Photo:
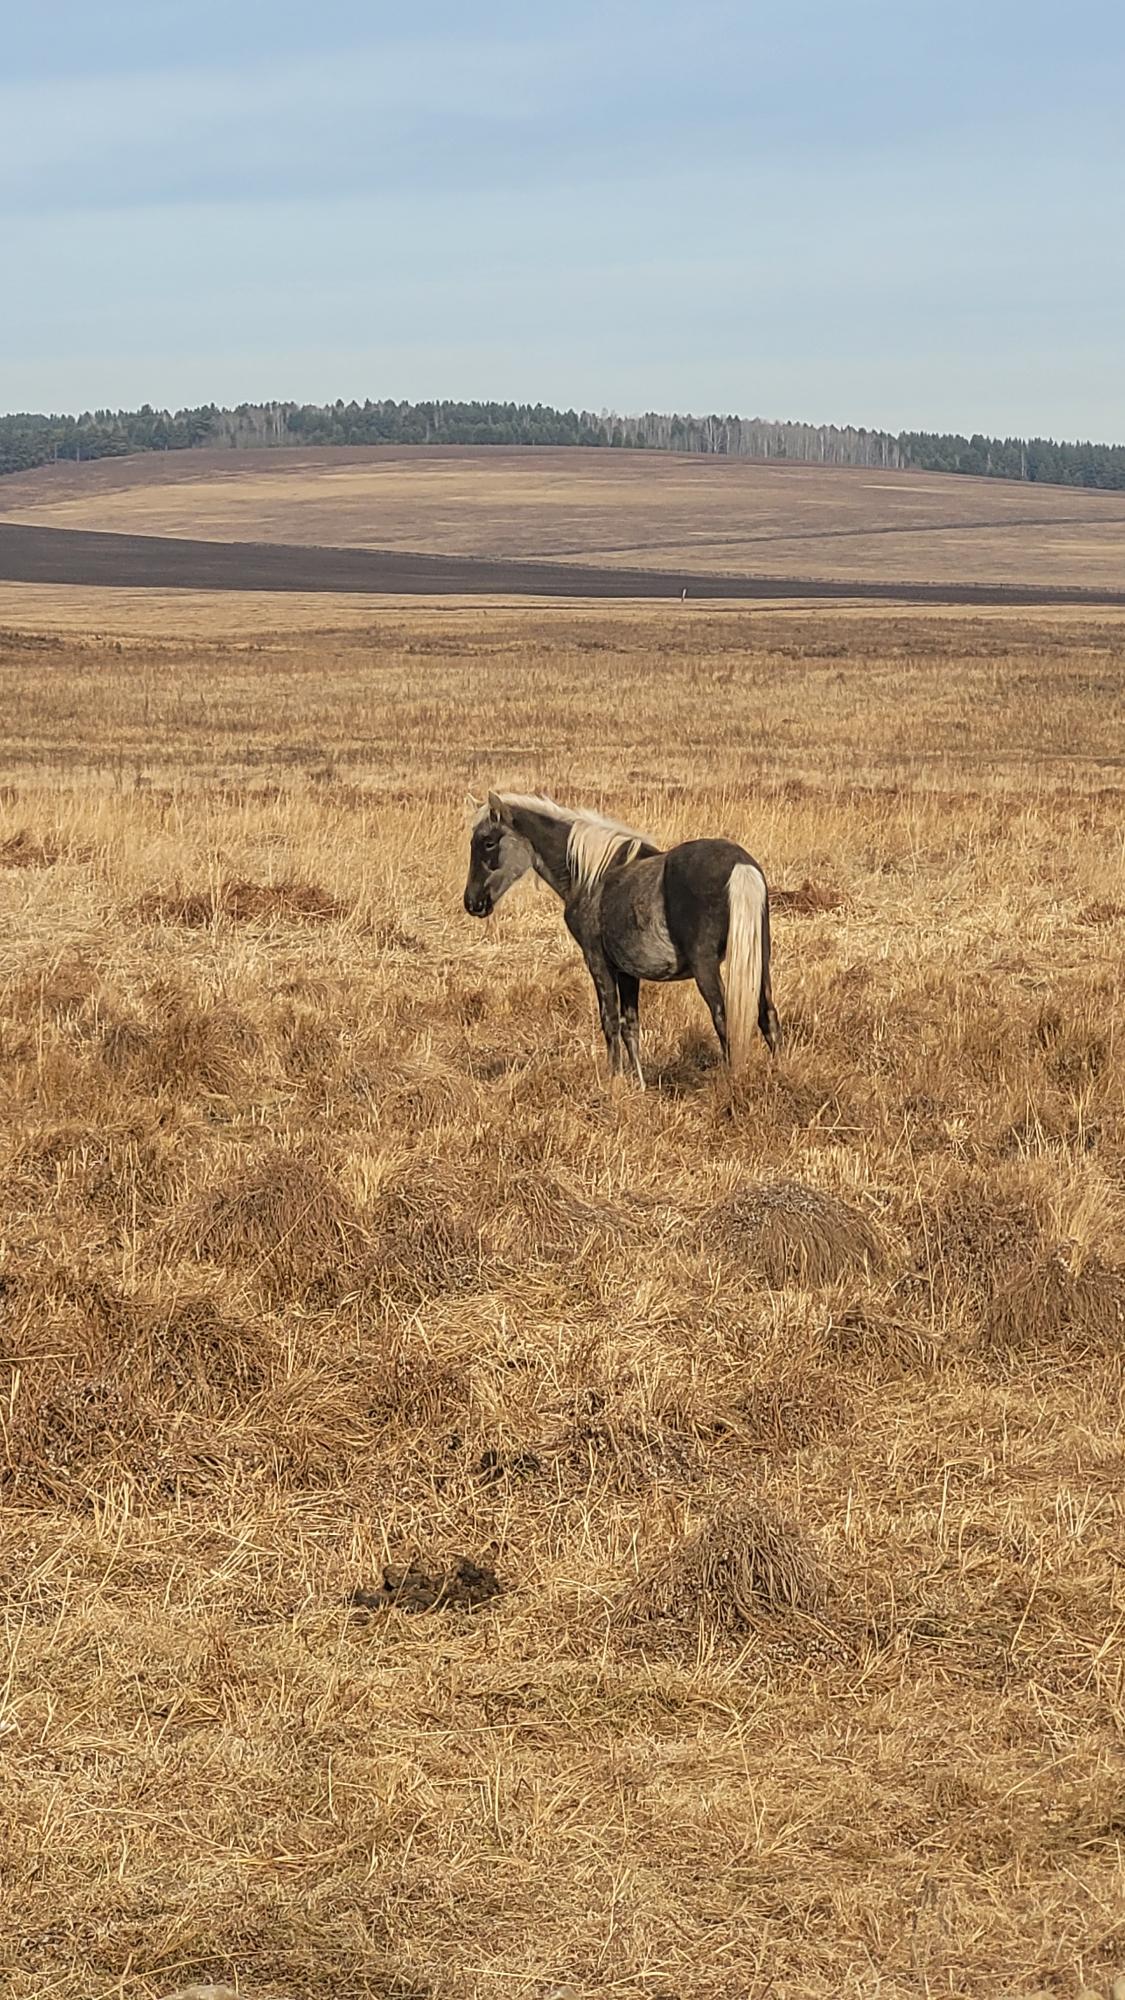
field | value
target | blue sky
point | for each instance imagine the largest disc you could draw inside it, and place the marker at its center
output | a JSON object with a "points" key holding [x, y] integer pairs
{"points": [[884, 211]]}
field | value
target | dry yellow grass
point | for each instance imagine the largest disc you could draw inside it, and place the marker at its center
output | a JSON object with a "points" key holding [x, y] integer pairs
{"points": [[93, 612], [637, 510], [788, 1416]]}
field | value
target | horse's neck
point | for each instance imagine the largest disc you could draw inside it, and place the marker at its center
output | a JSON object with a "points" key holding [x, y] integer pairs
{"points": [[548, 838]]}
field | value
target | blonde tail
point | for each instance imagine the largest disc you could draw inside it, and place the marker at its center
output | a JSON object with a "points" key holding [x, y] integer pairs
{"points": [[742, 965]]}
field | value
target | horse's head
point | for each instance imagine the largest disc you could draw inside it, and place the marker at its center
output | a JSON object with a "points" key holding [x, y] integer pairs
{"points": [[498, 856]]}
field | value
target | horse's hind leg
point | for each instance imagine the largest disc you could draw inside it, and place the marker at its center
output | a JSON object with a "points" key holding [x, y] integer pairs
{"points": [[628, 995], [767, 1016], [709, 980], [767, 1013]]}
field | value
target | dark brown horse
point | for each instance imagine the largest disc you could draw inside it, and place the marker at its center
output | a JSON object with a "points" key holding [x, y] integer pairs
{"points": [[697, 911]]}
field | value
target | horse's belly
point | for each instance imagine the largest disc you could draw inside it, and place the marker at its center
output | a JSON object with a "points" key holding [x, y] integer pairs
{"points": [[634, 928], [648, 958]]}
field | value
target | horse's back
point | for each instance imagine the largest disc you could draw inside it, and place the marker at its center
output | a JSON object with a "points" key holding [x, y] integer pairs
{"points": [[693, 853], [704, 866]]}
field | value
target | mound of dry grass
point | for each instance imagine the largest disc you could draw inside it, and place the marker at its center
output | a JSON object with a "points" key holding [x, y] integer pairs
{"points": [[240, 903], [120, 1174], [614, 1443], [1030, 1288], [744, 1560], [282, 1224], [541, 1217], [108, 1384], [796, 1409], [812, 899], [182, 1046], [23, 850], [792, 1234], [1055, 1301], [426, 1236], [65, 989]]}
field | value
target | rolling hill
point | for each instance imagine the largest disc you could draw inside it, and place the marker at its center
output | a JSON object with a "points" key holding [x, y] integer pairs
{"points": [[616, 510]]}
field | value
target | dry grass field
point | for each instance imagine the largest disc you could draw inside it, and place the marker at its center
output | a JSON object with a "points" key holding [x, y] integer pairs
{"points": [[731, 1476], [636, 510]]}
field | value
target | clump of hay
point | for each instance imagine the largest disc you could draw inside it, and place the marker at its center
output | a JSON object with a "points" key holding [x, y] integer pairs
{"points": [[418, 1379], [628, 1448], [187, 1045], [105, 1383], [889, 1331], [797, 1410], [743, 1563], [284, 1223], [60, 992], [427, 1223], [792, 1234], [311, 1047], [240, 903], [1101, 913], [812, 899], [537, 1215], [1003, 1263], [121, 1174], [23, 850], [1052, 1298], [979, 1224], [194, 1352]]}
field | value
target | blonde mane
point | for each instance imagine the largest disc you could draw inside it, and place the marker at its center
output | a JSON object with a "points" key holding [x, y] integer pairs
{"points": [[594, 840]]}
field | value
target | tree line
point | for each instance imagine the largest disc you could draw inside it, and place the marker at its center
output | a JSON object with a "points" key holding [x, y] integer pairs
{"points": [[28, 439]]}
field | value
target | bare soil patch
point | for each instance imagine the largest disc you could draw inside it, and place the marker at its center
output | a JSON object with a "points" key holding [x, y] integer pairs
{"points": [[31, 554]]}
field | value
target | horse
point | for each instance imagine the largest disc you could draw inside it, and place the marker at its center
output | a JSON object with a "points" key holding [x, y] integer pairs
{"points": [[696, 911]]}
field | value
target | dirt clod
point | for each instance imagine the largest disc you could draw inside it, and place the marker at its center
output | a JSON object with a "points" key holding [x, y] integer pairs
{"points": [[464, 1586]]}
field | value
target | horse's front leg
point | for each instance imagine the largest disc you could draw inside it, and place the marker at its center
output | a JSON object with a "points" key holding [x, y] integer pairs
{"points": [[628, 997], [605, 986]]}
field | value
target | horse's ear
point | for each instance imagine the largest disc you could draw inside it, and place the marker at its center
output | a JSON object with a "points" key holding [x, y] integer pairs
{"points": [[498, 810]]}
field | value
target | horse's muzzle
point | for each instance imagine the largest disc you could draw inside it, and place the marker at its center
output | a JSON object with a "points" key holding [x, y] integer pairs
{"points": [[478, 904]]}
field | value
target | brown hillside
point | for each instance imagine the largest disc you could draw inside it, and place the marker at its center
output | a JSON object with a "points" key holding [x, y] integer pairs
{"points": [[627, 509]]}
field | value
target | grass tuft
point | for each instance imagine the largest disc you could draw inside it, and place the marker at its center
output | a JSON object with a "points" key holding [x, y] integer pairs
{"points": [[742, 1560], [283, 1224], [239, 903], [793, 1234]]}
